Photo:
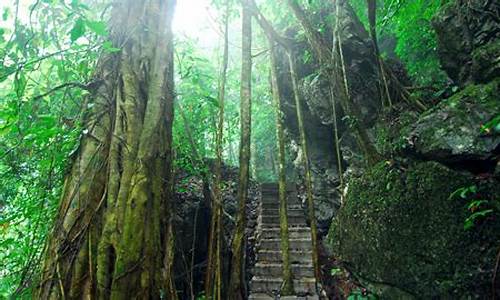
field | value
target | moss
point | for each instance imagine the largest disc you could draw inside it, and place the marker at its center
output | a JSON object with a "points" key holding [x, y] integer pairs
{"points": [[453, 126], [392, 129], [485, 62], [399, 227]]}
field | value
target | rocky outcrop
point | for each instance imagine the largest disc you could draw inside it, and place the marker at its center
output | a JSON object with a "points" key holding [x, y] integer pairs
{"points": [[315, 94], [320, 142], [405, 231], [403, 236], [468, 40], [451, 132]]}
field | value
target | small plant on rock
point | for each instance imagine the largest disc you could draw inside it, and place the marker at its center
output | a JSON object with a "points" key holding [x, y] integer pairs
{"points": [[478, 208]]}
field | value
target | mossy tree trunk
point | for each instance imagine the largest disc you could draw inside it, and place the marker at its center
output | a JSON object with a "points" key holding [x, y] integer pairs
{"points": [[287, 286], [236, 288], [214, 258], [110, 239], [307, 168], [372, 19]]}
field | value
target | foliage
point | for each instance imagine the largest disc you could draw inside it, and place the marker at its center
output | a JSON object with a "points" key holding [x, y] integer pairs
{"points": [[492, 126], [44, 63], [360, 294], [408, 22], [196, 87], [479, 208], [48, 51]]}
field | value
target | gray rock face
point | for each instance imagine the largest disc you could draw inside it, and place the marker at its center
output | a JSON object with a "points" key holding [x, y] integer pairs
{"points": [[317, 105], [451, 132], [404, 235], [463, 29]]}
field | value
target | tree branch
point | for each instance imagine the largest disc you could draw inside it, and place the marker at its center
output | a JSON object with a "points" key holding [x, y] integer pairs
{"points": [[88, 87]]}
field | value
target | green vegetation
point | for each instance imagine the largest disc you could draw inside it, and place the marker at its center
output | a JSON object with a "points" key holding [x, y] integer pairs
{"points": [[103, 107]]}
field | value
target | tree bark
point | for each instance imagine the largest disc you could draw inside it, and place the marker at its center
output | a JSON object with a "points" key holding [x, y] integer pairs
{"points": [[236, 288], [372, 18], [307, 168], [287, 286], [215, 258], [110, 237]]}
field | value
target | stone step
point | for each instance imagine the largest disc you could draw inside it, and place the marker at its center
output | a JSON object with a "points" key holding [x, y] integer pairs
{"points": [[293, 220], [277, 225], [273, 199], [293, 233], [296, 256], [295, 244], [264, 296], [302, 286], [260, 296], [276, 205], [289, 211], [276, 269], [308, 297], [274, 186]]}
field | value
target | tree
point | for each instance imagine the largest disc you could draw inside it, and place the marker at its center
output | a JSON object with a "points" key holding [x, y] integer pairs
{"points": [[236, 290], [372, 19], [307, 168], [287, 286], [110, 238], [216, 222]]}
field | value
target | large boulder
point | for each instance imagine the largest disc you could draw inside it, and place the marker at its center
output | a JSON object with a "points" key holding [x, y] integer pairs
{"points": [[403, 236], [451, 131], [468, 33]]}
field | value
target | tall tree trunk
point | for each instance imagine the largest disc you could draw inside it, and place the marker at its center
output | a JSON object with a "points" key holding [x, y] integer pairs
{"points": [[307, 168], [236, 288], [214, 258], [287, 286], [372, 19], [111, 235]]}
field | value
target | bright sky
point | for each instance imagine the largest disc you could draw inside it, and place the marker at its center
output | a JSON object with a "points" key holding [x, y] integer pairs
{"points": [[195, 19]]}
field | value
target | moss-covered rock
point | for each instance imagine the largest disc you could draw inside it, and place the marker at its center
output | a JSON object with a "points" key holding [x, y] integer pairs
{"points": [[461, 28], [451, 131], [486, 62], [393, 128], [403, 236]]}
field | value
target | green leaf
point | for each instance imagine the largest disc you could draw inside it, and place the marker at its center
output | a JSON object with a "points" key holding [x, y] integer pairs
{"points": [[469, 222], [98, 27], [335, 271], [20, 84], [47, 120], [5, 72], [212, 100], [476, 204], [5, 14], [108, 47], [78, 30]]}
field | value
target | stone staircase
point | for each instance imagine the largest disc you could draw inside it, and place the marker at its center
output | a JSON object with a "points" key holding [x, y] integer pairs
{"points": [[266, 282]]}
